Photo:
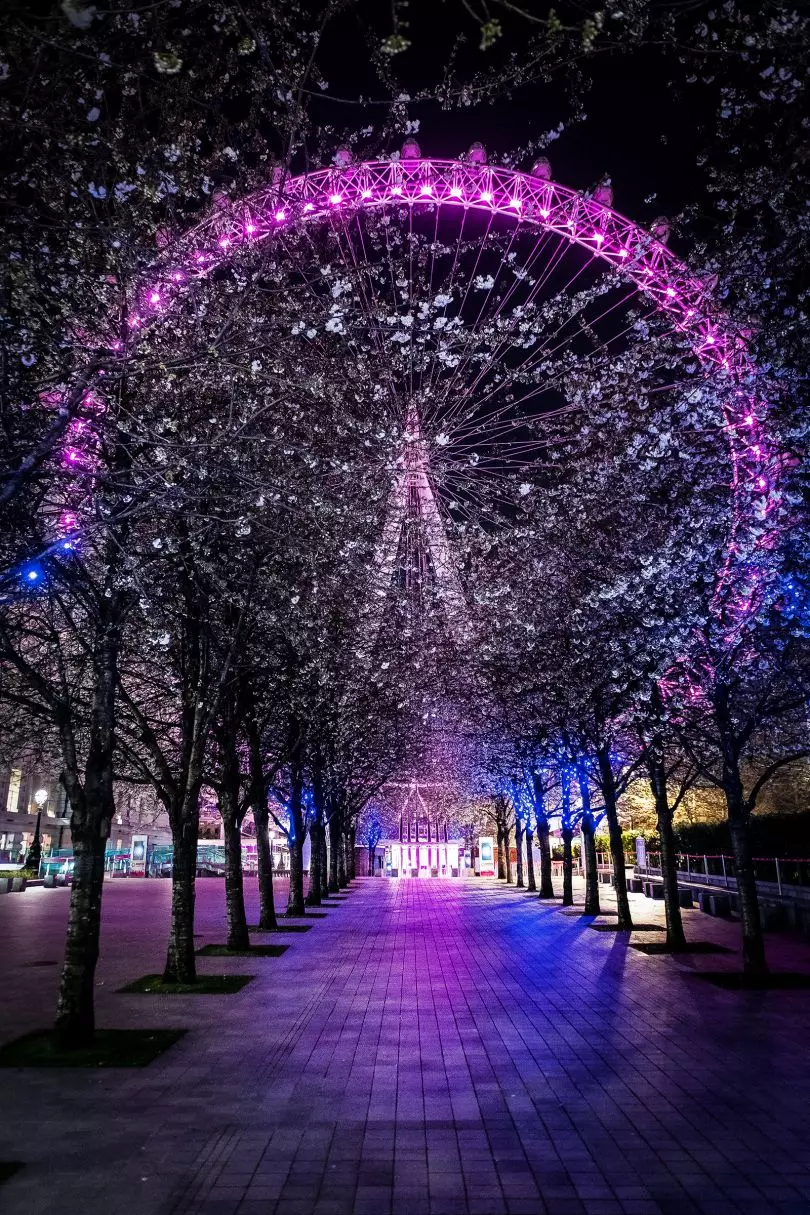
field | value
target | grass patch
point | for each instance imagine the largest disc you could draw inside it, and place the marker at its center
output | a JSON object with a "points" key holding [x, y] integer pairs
{"points": [[255, 951], [206, 985], [282, 928], [8, 1168], [655, 948], [736, 980], [635, 928], [110, 1048]]}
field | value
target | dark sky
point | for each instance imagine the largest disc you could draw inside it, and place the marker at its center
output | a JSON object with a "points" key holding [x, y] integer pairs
{"points": [[642, 131]]}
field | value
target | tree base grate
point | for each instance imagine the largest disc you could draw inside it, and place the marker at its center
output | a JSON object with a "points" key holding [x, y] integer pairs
{"points": [[109, 1048], [282, 928], [735, 980], [635, 928], [206, 985], [254, 951], [656, 948]]}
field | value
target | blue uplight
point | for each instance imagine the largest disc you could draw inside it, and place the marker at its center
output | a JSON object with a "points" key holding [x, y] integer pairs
{"points": [[33, 575]]}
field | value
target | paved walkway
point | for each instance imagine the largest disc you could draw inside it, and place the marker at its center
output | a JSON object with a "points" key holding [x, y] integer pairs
{"points": [[428, 1048]]}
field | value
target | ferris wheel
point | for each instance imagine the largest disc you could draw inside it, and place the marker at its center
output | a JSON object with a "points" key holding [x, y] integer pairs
{"points": [[462, 306]]}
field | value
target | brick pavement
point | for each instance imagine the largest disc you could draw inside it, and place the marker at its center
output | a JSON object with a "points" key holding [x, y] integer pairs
{"points": [[428, 1048]]}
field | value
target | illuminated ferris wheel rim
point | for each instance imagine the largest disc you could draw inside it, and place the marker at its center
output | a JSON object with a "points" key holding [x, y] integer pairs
{"points": [[525, 199], [531, 200]]}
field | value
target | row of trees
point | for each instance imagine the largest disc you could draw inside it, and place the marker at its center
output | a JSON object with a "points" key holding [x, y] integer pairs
{"points": [[192, 506]]}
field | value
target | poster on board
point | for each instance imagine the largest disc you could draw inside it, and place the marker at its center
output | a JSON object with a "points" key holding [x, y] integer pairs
{"points": [[486, 856], [137, 856]]}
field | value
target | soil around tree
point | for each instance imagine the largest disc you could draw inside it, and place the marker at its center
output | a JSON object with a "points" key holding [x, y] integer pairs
{"points": [[635, 928], [282, 928], [736, 980], [658, 948], [206, 985], [254, 951], [110, 1048]]}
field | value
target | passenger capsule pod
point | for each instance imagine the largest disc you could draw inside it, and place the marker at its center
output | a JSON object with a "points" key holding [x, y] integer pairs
{"points": [[477, 154], [344, 157], [411, 150], [604, 193], [541, 169], [661, 229]]}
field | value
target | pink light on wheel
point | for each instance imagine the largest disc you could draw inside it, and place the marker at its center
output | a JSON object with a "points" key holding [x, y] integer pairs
{"points": [[426, 189], [455, 191], [517, 203], [336, 199], [281, 216], [365, 193], [309, 206], [396, 190], [154, 298], [486, 196]]}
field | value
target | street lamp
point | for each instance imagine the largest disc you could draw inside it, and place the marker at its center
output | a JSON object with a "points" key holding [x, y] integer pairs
{"points": [[34, 857]]}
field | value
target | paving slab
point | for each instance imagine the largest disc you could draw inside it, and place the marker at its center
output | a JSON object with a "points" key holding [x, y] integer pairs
{"points": [[438, 1046]]}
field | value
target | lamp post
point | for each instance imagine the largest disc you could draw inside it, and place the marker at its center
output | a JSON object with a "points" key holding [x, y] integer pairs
{"points": [[34, 857]]}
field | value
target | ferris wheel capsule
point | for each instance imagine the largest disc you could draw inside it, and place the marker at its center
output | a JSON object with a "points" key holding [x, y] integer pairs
{"points": [[661, 229], [541, 169], [477, 154], [604, 193], [411, 150]]}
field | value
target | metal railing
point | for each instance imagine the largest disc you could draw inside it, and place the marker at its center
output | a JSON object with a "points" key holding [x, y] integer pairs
{"points": [[787, 877]]}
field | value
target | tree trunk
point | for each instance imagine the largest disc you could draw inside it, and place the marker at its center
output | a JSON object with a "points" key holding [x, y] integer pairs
{"points": [[519, 848], [531, 884], [180, 963], [343, 880], [334, 847], [501, 856], [75, 1016], [352, 865], [592, 906], [608, 786], [92, 809], [676, 938], [546, 884], [314, 892], [268, 921], [568, 867], [372, 850], [754, 960], [588, 841], [295, 900], [238, 936], [324, 858], [507, 851]]}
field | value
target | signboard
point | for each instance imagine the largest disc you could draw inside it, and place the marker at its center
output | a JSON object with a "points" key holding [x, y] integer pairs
{"points": [[486, 856], [137, 856], [641, 852]]}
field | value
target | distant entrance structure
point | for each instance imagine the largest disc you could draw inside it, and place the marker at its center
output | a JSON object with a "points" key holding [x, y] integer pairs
{"points": [[424, 847]]}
